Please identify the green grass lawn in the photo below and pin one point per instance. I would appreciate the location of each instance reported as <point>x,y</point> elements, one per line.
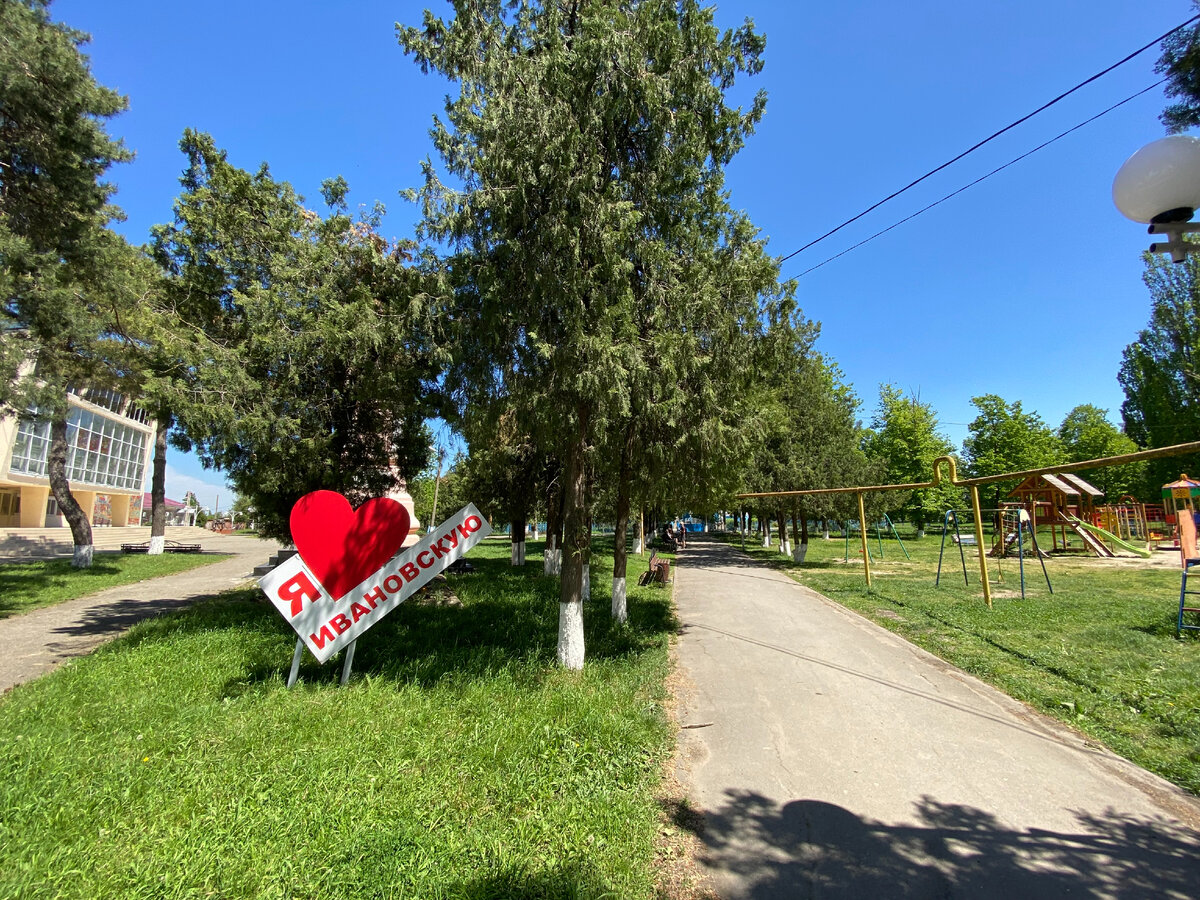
<point>31,585</point>
<point>1100,653</point>
<point>461,761</point>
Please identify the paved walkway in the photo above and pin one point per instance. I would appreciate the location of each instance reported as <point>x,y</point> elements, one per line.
<point>44,639</point>
<point>842,761</point>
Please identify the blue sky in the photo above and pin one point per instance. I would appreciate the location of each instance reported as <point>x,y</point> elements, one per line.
<point>1027,285</point>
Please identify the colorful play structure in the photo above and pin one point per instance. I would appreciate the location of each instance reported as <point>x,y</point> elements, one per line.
<point>1067,504</point>
<point>1180,499</point>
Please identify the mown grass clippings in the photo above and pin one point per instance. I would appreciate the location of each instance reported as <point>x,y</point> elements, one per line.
<point>461,761</point>
<point>1100,653</point>
<point>26,586</point>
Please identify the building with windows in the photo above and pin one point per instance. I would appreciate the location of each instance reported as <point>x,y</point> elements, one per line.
<point>110,441</point>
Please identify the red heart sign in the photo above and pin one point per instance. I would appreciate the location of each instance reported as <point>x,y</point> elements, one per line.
<point>342,546</point>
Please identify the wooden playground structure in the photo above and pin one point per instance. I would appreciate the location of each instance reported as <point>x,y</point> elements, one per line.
<point>1067,504</point>
<point>1063,501</point>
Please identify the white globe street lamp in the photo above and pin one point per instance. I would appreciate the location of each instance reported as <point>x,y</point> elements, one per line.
<point>1160,185</point>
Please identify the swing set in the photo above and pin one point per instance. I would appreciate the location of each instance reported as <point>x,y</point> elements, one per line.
<point>1015,529</point>
<point>850,525</point>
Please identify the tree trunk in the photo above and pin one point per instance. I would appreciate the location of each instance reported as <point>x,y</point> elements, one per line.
<point>784,545</point>
<point>620,560</point>
<point>158,489</point>
<point>575,543</point>
<point>585,590</point>
<point>56,469</point>
<point>802,550</point>
<point>553,555</point>
<point>518,541</point>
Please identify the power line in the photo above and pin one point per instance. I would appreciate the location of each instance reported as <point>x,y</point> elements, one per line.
<point>972,184</point>
<point>991,137</point>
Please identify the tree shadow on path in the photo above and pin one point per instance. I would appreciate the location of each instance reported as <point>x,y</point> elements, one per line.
<point>810,848</point>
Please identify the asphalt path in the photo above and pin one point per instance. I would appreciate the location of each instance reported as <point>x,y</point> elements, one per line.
<point>39,641</point>
<point>831,758</point>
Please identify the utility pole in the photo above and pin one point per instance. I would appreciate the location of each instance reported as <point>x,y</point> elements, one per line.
<point>441,455</point>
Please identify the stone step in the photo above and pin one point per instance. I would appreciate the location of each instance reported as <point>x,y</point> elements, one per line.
<point>280,557</point>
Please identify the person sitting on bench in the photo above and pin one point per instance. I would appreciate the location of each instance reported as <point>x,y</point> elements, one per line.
<point>670,538</point>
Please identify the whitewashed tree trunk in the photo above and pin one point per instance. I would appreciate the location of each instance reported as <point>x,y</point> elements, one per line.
<point>570,635</point>
<point>158,489</point>
<point>82,557</point>
<point>785,547</point>
<point>535,531</point>
<point>620,608</point>
<point>518,554</point>
<point>586,590</point>
<point>576,545</point>
<point>920,533</point>
<point>548,567</point>
<point>800,553</point>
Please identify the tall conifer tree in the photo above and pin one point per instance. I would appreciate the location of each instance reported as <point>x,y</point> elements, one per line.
<point>590,138</point>
<point>63,274</point>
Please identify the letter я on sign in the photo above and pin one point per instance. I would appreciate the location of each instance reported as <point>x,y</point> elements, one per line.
<point>348,574</point>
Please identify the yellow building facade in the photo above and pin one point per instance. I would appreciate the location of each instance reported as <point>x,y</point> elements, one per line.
<point>110,441</point>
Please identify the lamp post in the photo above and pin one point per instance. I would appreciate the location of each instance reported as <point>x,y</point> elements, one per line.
<point>1160,185</point>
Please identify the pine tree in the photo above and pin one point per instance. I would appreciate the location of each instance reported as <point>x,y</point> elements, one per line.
<point>305,345</point>
<point>64,276</point>
<point>590,139</point>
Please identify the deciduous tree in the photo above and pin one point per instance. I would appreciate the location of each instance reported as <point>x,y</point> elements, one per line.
<point>1005,438</point>
<point>906,441</point>
<point>1086,433</point>
<point>1160,371</point>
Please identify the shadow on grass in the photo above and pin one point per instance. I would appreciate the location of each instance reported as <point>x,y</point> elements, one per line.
<point>24,578</point>
<point>508,620</point>
<point>24,586</point>
<point>568,881</point>
<point>810,847</point>
<point>1166,626</point>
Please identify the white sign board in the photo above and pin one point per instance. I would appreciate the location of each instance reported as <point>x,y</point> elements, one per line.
<point>327,624</point>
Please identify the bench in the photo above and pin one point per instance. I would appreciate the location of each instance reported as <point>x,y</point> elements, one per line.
<point>659,571</point>
<point>168,547</point>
